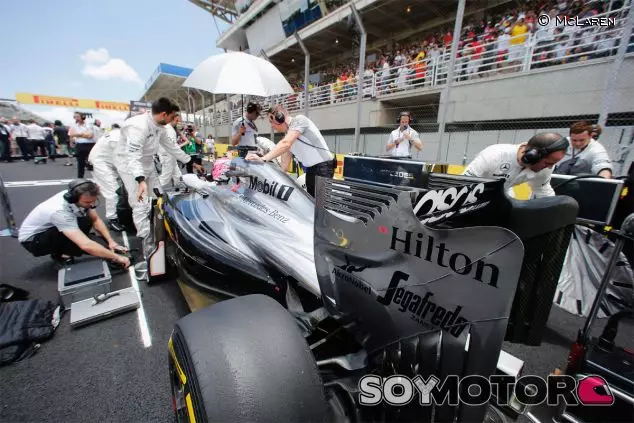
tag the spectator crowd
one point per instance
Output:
(499, 43)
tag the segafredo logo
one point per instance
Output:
(422, 309)
(451, 201)
(274, 189)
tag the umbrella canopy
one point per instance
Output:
(238, 73)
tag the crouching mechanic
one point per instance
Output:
(102, 158)
(305, 141)
(141, 136)
(60, 226)
(530, 162)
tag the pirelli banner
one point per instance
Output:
(70, 102)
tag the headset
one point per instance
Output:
(408, 114)
(279, 116)
(72, 196)
(533, 155)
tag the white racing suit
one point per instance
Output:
(102, 158)
(170, 172)
(139, 144)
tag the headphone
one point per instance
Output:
(279, 117)
(72, 196)
(408, 114)
(533, 155)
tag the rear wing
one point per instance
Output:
(412, 287)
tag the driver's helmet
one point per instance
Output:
(264, 145)
(220, 169)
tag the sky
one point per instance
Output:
(102, 50)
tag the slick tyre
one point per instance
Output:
(244, 359)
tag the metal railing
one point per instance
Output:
(518, 55)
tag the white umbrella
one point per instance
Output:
(238, 73)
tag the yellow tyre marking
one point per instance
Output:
(190, 408)
(179, 370)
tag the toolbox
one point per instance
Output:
(83, 280)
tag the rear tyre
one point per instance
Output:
(244, 359)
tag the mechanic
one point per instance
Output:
(402, 138)
(170, 172)
(305, 141)
(244, 131)
(60, 227)
(585, 155)
(102, 158)
(141, 136)
(81, 138)
(529, 162)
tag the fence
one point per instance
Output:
(520, 54)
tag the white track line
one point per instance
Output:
(143, 325)
(47, 182)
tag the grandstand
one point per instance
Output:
(10, 109)
(508, 83)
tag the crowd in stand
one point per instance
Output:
(496, 44)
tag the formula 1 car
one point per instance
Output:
(392, 271)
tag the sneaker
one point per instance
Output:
(68, 164)
(61, 261)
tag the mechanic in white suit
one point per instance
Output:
(141, 136)
(170, 172)
(531, 162)
(102, 158)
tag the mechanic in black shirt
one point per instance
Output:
(61, 134)
(5, 141)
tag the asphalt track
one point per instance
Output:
(105, 372)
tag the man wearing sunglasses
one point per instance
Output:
(304, 140)
(244, 131)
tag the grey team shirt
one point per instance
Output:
(595, 154)
(54, 212)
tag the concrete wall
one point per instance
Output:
(575, 89)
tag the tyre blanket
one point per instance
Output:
(585, 264)
(23, 325)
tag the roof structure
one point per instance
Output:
(167, 81)
(10, 109)
(223, 9)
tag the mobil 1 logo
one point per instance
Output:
(274, 189)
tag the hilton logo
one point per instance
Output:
(426, 249)
(274, 189)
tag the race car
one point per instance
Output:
(393, 270)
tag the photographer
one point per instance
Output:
(403, 137)
(244, 131)
(193, 148)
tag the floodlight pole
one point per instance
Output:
(608, 88)
(306, 72)
(360, 79)
(442, 113)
